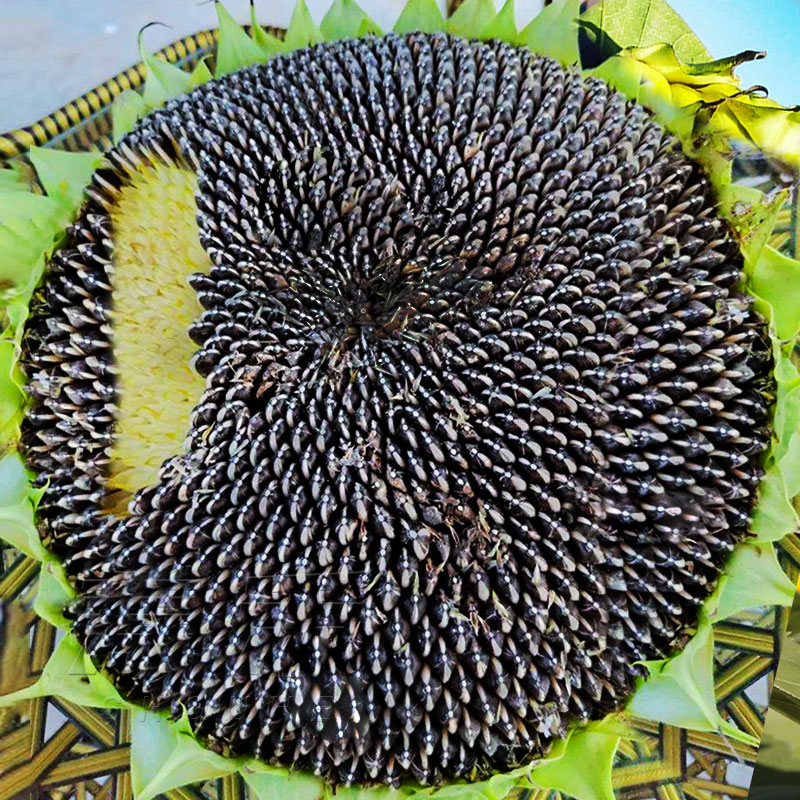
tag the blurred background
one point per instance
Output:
(51, 51)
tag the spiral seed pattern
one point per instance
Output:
(483, 413)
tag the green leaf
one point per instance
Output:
(503, 26)
(790, 466)
(17, 525)
(420, 15)
(662, 56)
(680, 690)
(274, 783)
(127, 109)
(70, 674)
(53, 595)
(16, 312)
(200, 74)
(13, 180)
(346, 19)
(270, 45)
(65, 175)
(12, 397)
(774, 515)
(471, 17)
(32, 224)
(771, 127)
(612, 25)
(456, 791)
(753, 577)
(39, 210)
(786, 413)
(18, 529)
(166, 755)
(775, 278)
(236, 49)
(584, 771)
(495, 788)
(164, 80)
(724, 66)
(553, 31)
(14, 480)
(623, 73)
(301, 31)
(21, 251)
(752, 214)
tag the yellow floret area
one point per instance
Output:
(156, 249)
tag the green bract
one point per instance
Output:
(645, 50)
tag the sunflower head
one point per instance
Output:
(399, 400)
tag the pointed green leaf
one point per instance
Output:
(273, 783)
(662, 56)
(16, 312)
(70, 674)
(770, 126)
(724, 66)
(554, 32)
(30, 227)
(165, 755)
(455, 792)
(752, 214)
(38, 210)
(775, 278)
(753, 577)
(727, 730)
(127, 109)
(775, 515)
(18, 529)
(270, 45)
(14, 481)
(164, 80)
(23, 244)
(790, 466)
(302, 30)
(503, 26)
(18, 501)
(470, 18)
(236, 49)
(200, 74)
(623, 73)
(65, 175)
(680, 690)
(346, 19)
(12, 397)
(17, 504)
(786, 412)
(584, 771)
(420, 15)
(53, 595)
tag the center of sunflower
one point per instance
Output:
(379, 301)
